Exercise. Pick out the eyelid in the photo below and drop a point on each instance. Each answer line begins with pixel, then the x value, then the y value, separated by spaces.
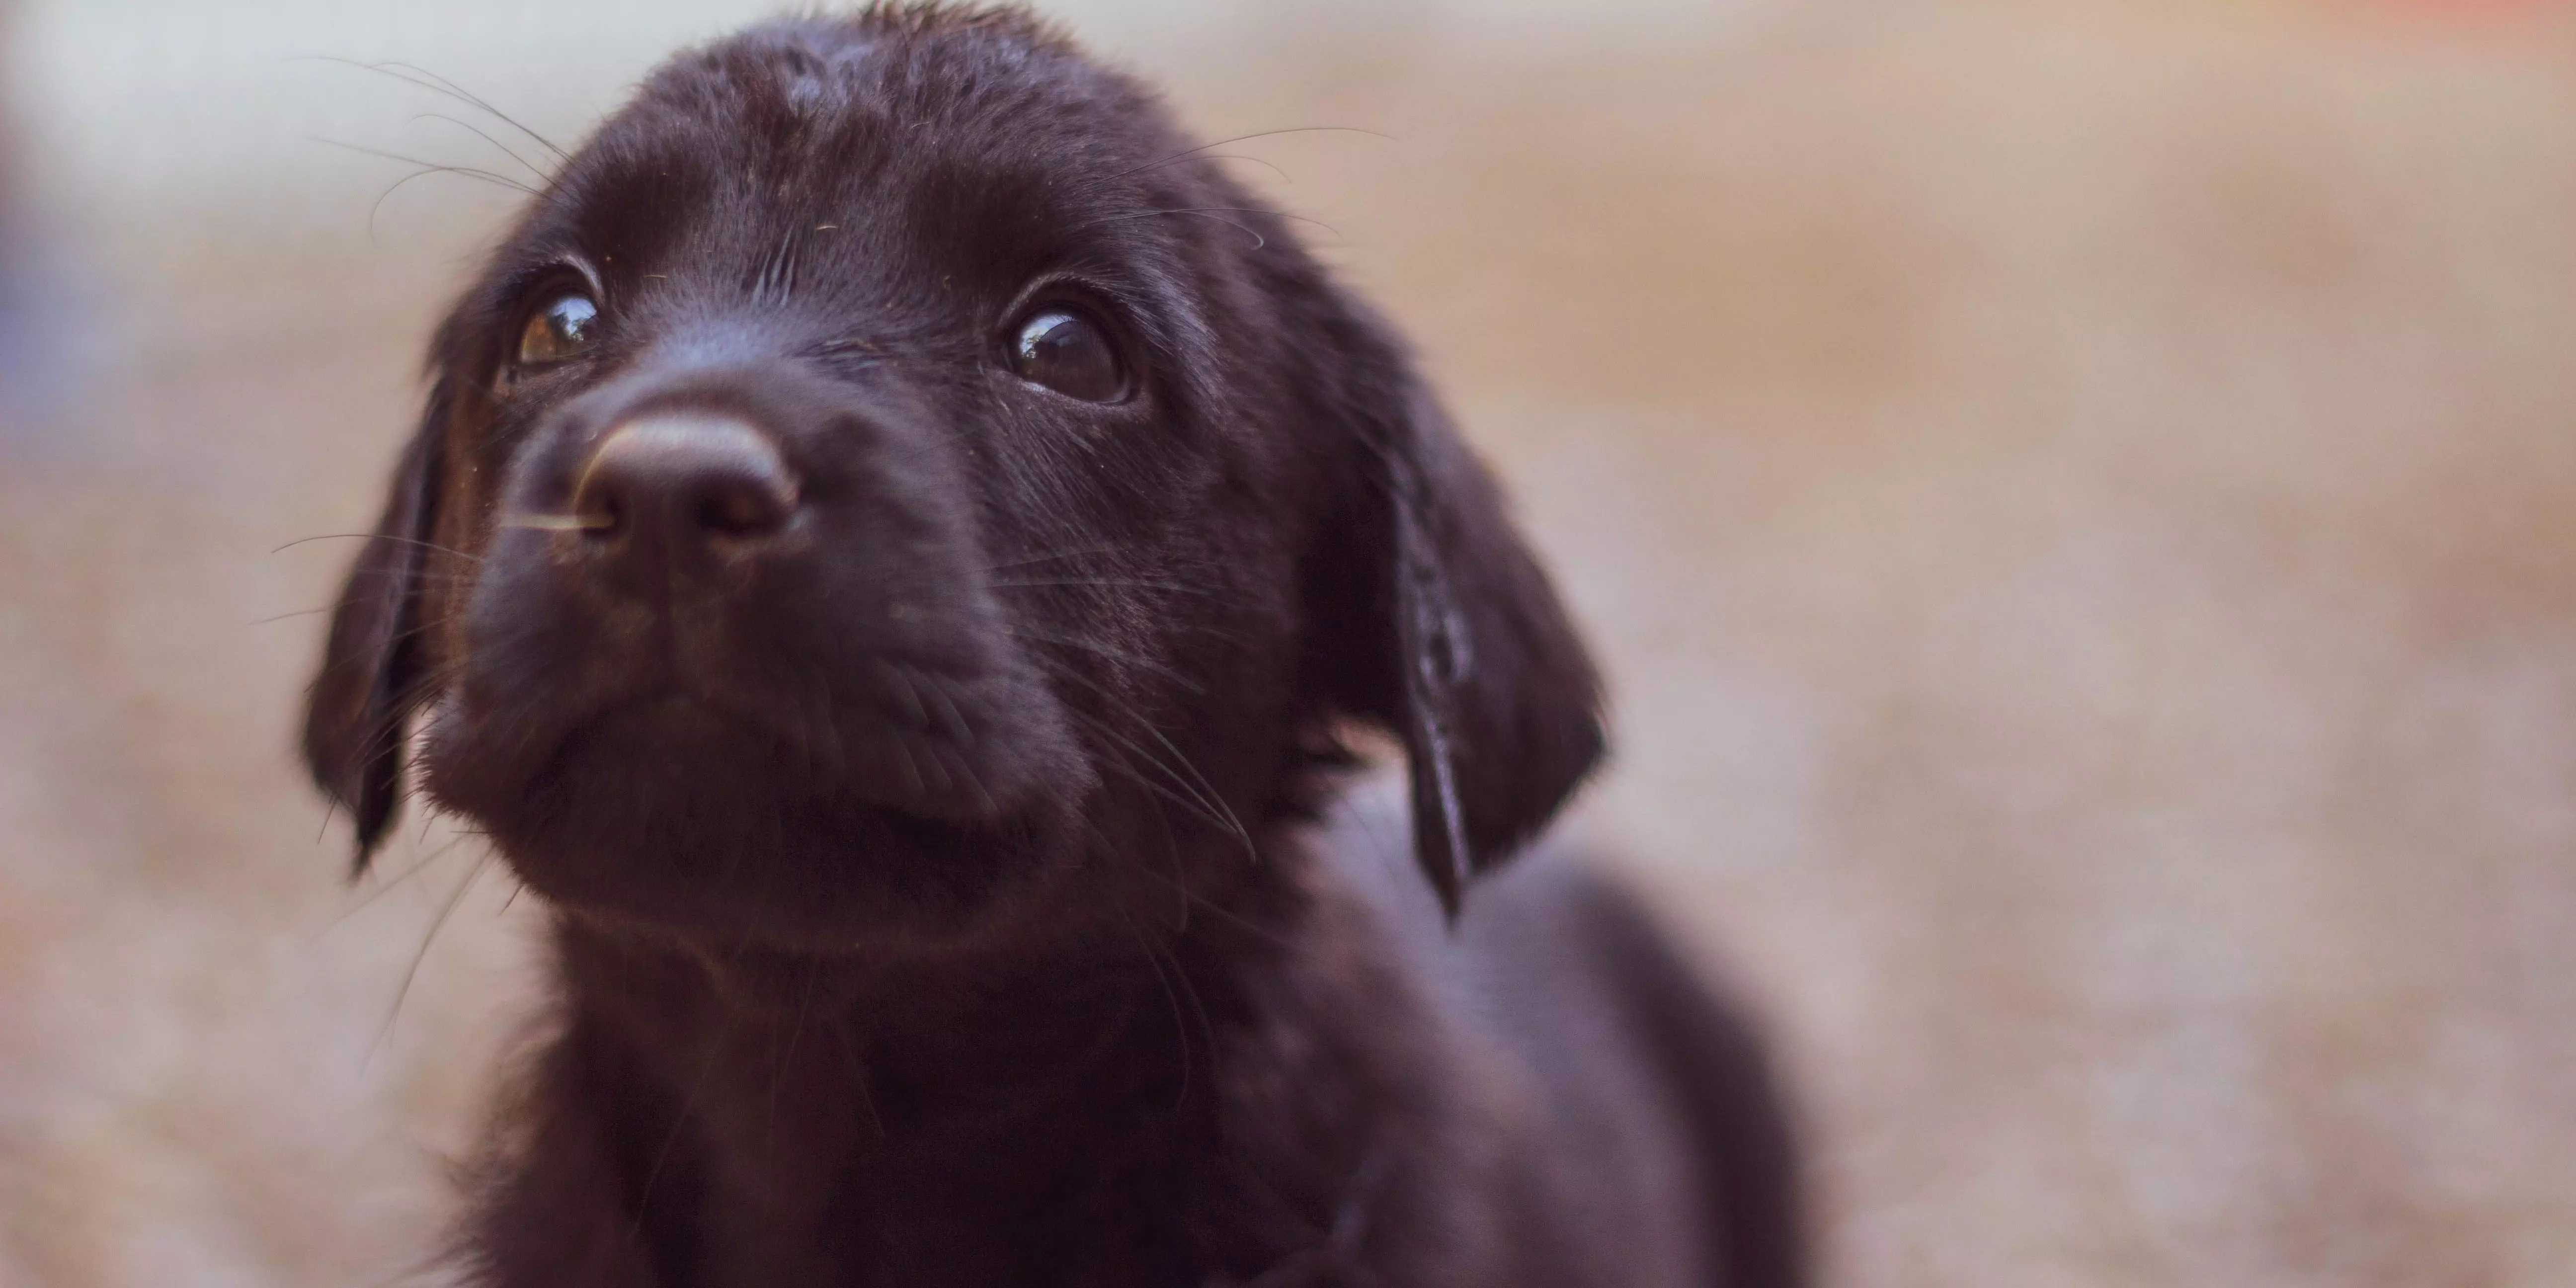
pixel 1077 291
pixel 531 287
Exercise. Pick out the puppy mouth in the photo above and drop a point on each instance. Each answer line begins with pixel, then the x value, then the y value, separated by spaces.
pixel 892 734
pixel 704 808
pixel 906 744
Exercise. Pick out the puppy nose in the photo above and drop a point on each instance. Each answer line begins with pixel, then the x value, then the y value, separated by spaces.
pixel 683 486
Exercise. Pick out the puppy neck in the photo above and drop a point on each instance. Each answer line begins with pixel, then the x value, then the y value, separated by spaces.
pixel 1145 987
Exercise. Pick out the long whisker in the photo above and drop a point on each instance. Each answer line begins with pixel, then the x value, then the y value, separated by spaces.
pixel 557 522
pixel 680 1124
pixel 1258 241
pixel 432 579
pixel 301 612
pixel 432 80
pixel 1180 1023
pixel 1107 651
pixel 412 971
pixel 1174 587
pixel 1192 898
pixel 1205 800
pixel 1206 791
pixel 1111 548
pixel 1213 212
pixel 397 879
pixel 478 132
pixel 419 77
pixel 1274 166
pixel 1247 138
pixel 427 167
pixel 1193 807
pixel 795 1035
pixel 363 536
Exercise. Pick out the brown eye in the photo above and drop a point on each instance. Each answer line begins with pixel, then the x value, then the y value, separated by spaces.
pixel 1069 352
pixel 558 331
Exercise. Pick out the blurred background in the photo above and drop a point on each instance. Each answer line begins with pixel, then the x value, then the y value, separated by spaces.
pixel 2076 500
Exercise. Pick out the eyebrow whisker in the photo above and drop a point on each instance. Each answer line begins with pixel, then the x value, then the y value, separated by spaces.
pixel 471 172
pixel 1246 138
pixel 1275 167
pixel 419 77
pixel 1258 241
pixel 506 150
pixel 1218 214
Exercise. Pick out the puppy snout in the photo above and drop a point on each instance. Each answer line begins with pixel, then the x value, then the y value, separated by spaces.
pixel 682 489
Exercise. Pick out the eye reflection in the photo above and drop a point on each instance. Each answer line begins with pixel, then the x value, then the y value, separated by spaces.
pixel 1070 352
pixel 558 331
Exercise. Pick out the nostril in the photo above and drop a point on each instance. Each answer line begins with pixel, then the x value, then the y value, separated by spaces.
pixel 743 507
pixel 598 514
pixel 690 480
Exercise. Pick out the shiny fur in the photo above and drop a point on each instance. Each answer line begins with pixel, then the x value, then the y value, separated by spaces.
pixel 940 895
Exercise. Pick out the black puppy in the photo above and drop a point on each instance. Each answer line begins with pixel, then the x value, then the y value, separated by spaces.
pixel 894 551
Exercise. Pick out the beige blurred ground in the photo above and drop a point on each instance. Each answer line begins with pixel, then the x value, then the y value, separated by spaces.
pixel 2077 505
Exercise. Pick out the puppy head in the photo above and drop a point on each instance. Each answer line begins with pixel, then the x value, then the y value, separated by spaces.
pixel 889 483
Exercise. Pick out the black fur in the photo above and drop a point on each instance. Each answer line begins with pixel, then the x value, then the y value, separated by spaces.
pixel 937 886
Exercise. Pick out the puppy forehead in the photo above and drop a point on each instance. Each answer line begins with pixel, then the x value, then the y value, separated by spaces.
pixel 864 121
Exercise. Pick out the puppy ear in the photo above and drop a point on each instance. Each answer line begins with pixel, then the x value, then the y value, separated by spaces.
pixel 360 700
pixel 1449 633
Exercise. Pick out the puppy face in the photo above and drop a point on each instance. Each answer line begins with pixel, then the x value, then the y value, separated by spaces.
pixel 889 487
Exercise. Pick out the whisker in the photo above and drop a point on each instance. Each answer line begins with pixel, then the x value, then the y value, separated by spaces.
pixel 1258 241
pixel 1218 213
pixel 556 522
pixel 478 132
pixel 427 167
pixel 1111 548
pixel 1107 582
pixel 795 1035
pixel 1107 651
pixel 1123 766
pixel 301 612
pixel 1237 156
pixel 366 536
pixel 1275 214
pixel 679 1124
pixel 1206 791
pixel 1192 898
pixel 411 972
pixel 860 1079
pixel 426 578
pixel 828 713
pixel 420 77
pixel 1205 800
pixel 1247 138
pixel 470 99
pixel 1180 1023
pixel 390 882
pixel 376 208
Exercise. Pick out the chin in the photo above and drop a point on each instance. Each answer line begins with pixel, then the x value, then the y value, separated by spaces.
pixel 672 817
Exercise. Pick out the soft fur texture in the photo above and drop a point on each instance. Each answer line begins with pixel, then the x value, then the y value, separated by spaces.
pixel 939 894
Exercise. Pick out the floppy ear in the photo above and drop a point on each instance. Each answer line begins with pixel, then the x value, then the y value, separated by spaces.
pixel 1449 633
pixel 360 701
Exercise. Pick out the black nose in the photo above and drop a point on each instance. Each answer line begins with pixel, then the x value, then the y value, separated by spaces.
pixel 681 487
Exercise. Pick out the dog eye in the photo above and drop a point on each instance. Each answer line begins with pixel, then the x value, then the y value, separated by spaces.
pixel 559 330
pixel 1069 352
